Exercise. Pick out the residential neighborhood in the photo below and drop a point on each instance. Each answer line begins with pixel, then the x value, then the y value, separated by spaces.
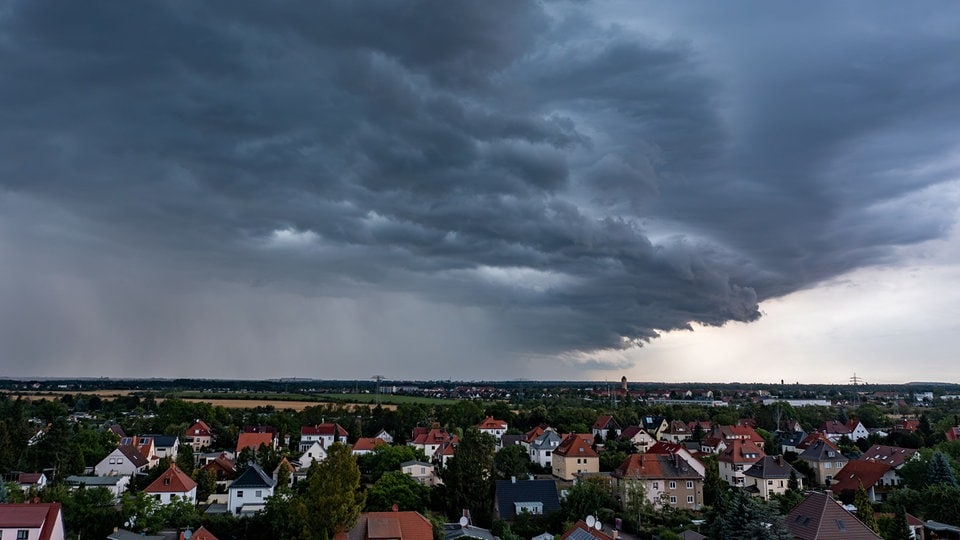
pixel 500 468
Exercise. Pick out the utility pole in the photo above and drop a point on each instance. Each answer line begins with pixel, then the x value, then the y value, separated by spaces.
pixel 378 378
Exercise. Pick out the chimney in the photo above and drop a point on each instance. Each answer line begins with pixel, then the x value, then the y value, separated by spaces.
pixel 513 479
pixel 395 508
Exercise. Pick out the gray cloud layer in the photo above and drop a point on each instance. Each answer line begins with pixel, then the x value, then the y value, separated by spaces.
pixel 507 178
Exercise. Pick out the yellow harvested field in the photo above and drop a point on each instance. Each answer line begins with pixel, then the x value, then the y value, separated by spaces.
pixel 224 402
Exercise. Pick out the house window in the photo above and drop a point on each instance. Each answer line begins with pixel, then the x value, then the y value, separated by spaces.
pixel 423 470
pixel 689 484
pixel 673 500
pixel 23 534
pixel 839 464
pixel 258 494
pixel 689 499
pixel 827 465
pixel 119 461
pixel 769 482
pixel 113 461
pixel 547 453
pixel 656 485
pixel 240 494
pixel 673 485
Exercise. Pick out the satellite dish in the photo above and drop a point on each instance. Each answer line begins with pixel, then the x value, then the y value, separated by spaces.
pixel 187 534
pixel 591 521
pixel 464 521
pixel 598 526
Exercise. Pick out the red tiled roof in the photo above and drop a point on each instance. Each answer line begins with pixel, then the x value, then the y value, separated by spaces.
pixel 434 436
pixel 858 472
pixel 389 525
pixel 253 440
pixel 200 534
pixel 835 427
pixel 739 451
pixel 532 435
pixel 582 526
pixel 891 455
pixel 575 445
pixel 492 423
pixel 819 517
pixel 173 480
pixel 328 429
pixel 953 433
pixel 30 516
pixel 29 477
pixel 604 422
pixel 367 443
pixel 199 429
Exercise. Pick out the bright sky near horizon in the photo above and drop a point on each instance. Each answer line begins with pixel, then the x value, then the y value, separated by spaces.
pixel 480 190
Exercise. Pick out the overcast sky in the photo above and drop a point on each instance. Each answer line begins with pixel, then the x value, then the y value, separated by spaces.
pixel 480 190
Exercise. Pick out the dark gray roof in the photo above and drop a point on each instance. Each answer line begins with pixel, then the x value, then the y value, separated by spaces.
pixel 165 441
pixel 510 440
pixel 134 455
pixel 253 477
pixel 548 439
pixel 821 450
pixel 542 491
pixel 770 467
pixel 792 438
pixel 454 530
pixel 692 535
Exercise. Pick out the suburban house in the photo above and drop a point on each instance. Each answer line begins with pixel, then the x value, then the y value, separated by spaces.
pixel 326 434
pixel 856 473
pixel 894 456
pixel 365 445
pixel 770 476
pixel 116 485
pixel 836 430
pixel 677 431
pixel 790 440
pixel 198 436
pixel 514 497
pixel 734 433
pixel 254 440
pixel 407 525
pixel 222 466
pixel 144 446
pixel 164 446
pixel 248 493
pixel 666 479
pixel 315 452
pixel 819 517
pixel 541 449
pixel 35 521
pixel 680 450
pixel 605 428
pixel 492 426
pixel 654 425
pixel 430 439
pixel 122 461
pixel 712 444
pixel 291 472
pixel 573 456
pixel 172 484
pixel 736 458
pixel 28 481
pixel 384 436
pixel 825 459
pixel 639 437
pixel 447 450
pixel 421 471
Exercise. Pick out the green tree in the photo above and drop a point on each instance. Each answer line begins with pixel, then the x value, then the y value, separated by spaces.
pixel 397 487
pixel 939 470
pixel 864 506
pixel 206 483
pixel 589 497
pixel 511 461
pixel 897 528
pixel 185 459
pixel 386 458
pixel 333 498
pixel 713 485
pixel 743 516
pixel 469 478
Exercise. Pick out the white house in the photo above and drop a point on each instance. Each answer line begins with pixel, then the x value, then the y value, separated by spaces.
pixel 421 471
pixel 325 434
pixel 172 484
pixel 123 461
pixel 541 449
pixel 315 452
pixel 248 493
pixel 32 521
pixel 116 485
pixel 492 426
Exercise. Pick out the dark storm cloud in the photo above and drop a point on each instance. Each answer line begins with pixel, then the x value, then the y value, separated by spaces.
pixel 574 185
